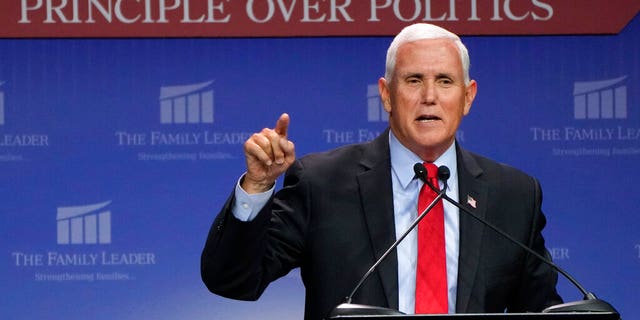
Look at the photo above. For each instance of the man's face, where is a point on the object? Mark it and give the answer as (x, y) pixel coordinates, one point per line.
(426, 97)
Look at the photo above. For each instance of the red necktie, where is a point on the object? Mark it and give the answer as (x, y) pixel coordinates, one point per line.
(431, 270)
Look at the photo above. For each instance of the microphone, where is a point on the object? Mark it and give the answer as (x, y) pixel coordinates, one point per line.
(443, 174)
(349, 309)
(590, 302)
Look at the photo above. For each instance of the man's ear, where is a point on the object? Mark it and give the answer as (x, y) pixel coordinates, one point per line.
(383, 88)
(470, 95)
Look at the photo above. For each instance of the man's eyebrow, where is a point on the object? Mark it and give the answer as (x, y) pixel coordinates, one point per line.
(419, 75)
(444, 75)
(413, 75)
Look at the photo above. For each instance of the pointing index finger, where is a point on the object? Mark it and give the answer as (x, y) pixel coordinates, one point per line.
(282, 125)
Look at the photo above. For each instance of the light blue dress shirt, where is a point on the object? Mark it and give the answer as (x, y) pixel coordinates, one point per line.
(405, 207)
(405, 204)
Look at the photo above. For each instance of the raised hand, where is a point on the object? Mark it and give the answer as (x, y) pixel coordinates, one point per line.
(269, 153)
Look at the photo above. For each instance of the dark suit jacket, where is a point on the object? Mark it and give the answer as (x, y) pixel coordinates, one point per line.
(334, 217)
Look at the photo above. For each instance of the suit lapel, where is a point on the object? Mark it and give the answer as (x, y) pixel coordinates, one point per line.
(473, 193)
(377, 202)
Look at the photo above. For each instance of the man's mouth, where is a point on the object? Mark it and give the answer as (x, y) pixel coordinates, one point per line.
(427, 118)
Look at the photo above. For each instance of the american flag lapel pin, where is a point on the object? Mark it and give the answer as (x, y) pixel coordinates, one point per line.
(471, 201)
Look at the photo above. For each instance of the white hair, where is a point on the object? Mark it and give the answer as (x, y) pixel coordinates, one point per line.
(420, 31)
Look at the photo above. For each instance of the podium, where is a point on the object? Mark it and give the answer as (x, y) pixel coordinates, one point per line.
(490, 316)
(603, 311)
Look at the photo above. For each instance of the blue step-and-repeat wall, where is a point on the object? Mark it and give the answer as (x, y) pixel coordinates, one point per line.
(116, 154)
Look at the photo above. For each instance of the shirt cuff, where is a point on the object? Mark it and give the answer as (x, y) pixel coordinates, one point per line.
(247, 206)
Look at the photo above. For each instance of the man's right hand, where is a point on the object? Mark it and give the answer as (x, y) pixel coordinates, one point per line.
(269, 153)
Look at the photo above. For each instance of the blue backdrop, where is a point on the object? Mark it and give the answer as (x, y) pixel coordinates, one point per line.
(116, 154)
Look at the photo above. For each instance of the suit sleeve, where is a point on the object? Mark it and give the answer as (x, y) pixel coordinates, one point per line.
(240, 258)
(537, 288)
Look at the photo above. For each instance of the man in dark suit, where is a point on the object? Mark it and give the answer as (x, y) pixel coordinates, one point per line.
(338, 211)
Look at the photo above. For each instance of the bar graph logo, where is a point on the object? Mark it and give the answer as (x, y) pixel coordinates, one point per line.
(193, 103)
(1, 104)
(604, 99)
(375, 109)
(88, 224)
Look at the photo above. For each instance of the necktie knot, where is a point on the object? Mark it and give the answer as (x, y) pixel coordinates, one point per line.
(432, 170)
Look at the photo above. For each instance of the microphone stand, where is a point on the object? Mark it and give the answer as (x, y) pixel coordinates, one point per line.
(348, 308)
(590, 302)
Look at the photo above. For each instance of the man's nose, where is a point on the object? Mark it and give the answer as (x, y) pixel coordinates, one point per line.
(429, 94)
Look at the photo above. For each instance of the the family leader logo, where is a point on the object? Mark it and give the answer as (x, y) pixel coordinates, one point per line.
(86, 224)
(375, 109)
(191, 103)
(603, 99)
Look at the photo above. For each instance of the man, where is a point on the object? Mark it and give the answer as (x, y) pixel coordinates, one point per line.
(338, 211)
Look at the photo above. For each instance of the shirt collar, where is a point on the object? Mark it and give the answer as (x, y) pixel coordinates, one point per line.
(402, 160)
